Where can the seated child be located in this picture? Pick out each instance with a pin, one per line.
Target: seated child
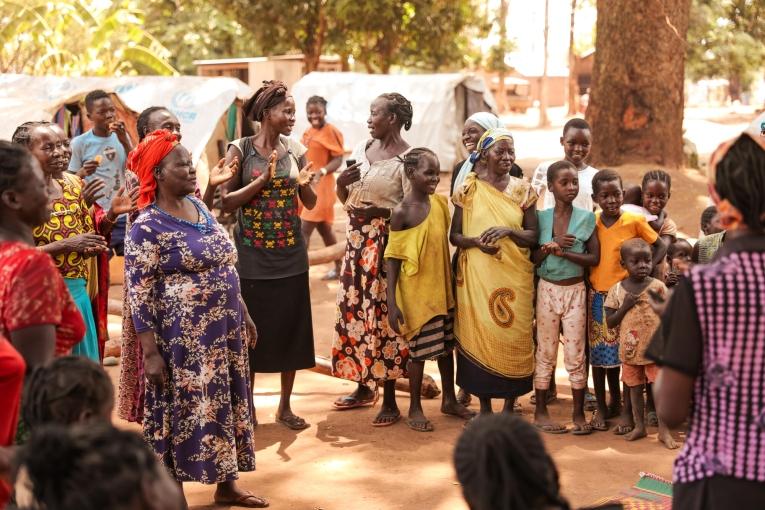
(628, 308)
(576, 142)
(679, 260)
(613, 227)
(420, 298)
(94, 467)
(568, 244)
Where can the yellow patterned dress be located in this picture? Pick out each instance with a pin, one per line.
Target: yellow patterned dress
(495, 294)
(71, 217)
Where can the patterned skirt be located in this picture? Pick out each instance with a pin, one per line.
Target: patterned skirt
(365, 349)
(604, 342)
(436, 339)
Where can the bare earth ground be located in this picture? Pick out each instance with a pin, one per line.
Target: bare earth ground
(341, 462)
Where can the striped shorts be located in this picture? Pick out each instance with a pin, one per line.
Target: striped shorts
(436, 339)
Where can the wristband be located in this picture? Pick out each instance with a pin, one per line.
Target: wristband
(323, 172)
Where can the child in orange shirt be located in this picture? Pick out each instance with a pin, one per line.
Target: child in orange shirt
(613, 227)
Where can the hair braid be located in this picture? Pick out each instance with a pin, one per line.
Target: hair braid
(61, 391)
(412, 158)
(401, 107)
(657, 175)
(502, 463)
(87, 468)
(740, 178)
(23, 133)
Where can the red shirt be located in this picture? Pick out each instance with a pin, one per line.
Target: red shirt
(33, 293)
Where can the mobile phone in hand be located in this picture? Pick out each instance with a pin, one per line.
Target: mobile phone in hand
(349, 163)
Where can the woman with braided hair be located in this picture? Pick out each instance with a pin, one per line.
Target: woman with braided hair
(273, 261)
(711, 342)
(192, 325)
(365, 348)
(92, 467)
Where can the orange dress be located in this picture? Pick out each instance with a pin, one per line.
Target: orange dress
(323, 145)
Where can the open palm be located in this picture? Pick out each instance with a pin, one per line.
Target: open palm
(306, 174)
(123, 203)
(222, 172)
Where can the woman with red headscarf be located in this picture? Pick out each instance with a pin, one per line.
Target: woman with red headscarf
(190, 320)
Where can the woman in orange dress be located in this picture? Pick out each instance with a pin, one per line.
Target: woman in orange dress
(325, 150)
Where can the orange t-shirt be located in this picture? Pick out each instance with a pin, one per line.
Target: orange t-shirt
(323, 145)
(629, 226)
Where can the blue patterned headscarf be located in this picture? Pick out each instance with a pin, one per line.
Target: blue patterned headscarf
(489, 122)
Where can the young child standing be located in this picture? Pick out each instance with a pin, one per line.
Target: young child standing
(576, 142)
(568, 243)
(628, 308)
(613, 227)
(421, 302)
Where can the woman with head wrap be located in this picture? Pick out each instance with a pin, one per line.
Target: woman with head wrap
(711, 342)
(273, 261)
(494, 226)
(187, 310)
(475, 126)
(365, 349)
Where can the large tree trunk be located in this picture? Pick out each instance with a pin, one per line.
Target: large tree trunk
(504, 7)
(314, 41)
(636, 104)
(573, 85)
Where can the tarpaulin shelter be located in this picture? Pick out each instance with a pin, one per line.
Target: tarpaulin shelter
(441, 103)
(206, 107)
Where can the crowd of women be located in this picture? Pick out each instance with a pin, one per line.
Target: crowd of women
(203, 314)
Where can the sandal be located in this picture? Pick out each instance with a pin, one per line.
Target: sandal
(652, 419)
(243, 501)
(420, 426)
(390, 420)
(348, 402)
(551, 428)
(621, 429)
(293, 422)
(584, 429)
(600, 424)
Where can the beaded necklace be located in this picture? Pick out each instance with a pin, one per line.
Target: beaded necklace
(204, 227)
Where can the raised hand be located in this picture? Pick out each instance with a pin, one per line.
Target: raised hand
(222, 172)
(89, 167)
(91, 191)
(123, 203)
(349, 175)
(306, 174)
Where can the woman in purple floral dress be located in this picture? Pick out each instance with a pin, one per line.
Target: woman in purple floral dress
(187, 311)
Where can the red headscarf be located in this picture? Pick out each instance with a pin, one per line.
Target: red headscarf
(146, 157)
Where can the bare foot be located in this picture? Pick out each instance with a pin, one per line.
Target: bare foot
(637, 433)
(456, 409)
(665, 436)
(464, 398)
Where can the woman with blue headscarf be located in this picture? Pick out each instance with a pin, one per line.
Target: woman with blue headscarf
(494, 227)
(475, 126)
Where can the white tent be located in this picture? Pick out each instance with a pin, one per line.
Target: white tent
(441, 103)
(198, 102)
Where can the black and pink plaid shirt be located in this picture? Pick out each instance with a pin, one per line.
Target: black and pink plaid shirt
(727, 437)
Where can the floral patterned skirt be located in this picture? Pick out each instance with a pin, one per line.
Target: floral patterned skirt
(365, 349)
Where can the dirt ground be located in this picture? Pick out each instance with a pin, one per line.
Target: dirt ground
(341, 462)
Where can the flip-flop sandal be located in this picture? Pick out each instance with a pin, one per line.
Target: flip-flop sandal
(428, 426)
(293, 423)
(464, 398)
(652, 419)
(392, 421)
(243, 501)
(582, 430)
(353, 402)
(551, 429)
(622, 430)
(467, 415)
(601, 426)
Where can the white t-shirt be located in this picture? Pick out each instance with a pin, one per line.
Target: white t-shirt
(583, 200)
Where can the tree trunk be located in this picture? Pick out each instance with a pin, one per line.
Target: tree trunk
(502, 19)
(543, 120)
(314, 41)
(573, 85)
(734, 87)
(636, 104)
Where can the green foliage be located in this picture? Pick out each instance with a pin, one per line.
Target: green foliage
(420, 34)
(726, 40)
(75, 37)
(196, 30)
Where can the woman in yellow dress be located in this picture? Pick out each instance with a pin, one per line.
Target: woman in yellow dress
(494, 226)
